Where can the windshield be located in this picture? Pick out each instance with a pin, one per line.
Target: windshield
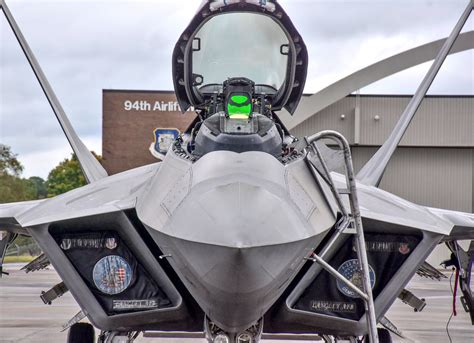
(240, 45)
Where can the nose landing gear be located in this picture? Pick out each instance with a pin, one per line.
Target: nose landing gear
(214, 334)
(117, 337)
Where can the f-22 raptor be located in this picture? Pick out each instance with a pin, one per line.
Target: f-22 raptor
(243, 231)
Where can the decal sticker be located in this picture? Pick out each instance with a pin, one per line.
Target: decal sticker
(164, 138)
(333, 306)
(110, 243)
(112, 274)
(66, 244)
(404, 248)
(385, 247)
(134, 304)
(90, 241)
(351, 271)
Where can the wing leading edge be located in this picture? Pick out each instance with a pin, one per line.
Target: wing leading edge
(11, 211)
(463, 223)
(112, 194)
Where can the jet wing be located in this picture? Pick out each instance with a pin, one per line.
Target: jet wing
(112, 194)
(463, 223)
(11, 211)
(383, 206)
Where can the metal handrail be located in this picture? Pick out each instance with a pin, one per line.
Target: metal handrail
(353, 216)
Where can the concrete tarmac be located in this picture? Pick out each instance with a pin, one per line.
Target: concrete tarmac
(24, 317)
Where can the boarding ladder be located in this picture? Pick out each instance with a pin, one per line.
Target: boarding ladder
(350, 222)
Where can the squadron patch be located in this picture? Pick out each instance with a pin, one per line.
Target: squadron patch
(352, 271)
(112, 274)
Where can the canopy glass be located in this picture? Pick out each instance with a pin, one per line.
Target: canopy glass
(240, 45)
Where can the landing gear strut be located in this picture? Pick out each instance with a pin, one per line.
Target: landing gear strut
(117, 337)
(214, 334)
(384, 336)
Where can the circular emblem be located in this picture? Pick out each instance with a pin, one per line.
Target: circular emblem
(112, 274)
(351, 271)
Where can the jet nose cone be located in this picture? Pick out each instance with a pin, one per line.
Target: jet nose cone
(237, 227)
(236, 286)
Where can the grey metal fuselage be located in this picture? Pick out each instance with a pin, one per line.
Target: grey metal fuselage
(236, 228)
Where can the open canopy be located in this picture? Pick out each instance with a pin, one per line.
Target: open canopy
(240, 45)
(250, 39)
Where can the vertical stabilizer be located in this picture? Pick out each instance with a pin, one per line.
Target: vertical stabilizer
(372, 172)
(92, 169)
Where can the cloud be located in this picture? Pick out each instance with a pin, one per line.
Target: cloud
(87, 46)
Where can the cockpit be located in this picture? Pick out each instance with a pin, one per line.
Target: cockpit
(237, 63)
(239, 121)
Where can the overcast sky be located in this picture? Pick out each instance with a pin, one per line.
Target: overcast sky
(86, 46)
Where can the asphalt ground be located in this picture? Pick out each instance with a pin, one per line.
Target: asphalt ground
(24, 317)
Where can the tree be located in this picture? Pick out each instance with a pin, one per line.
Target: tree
(12, 186)
(9, 163)
(66, 176)
(13, 189)
(39, 186)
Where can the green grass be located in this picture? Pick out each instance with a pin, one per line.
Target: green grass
(18, 259)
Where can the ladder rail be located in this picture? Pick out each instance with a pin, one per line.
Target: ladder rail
(356, 219)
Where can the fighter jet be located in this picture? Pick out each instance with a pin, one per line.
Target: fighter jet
(243, 231)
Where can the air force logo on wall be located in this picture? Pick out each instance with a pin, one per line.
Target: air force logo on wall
(352, 271)
(164, 138)
(112, 274)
